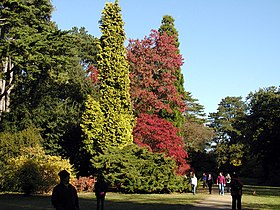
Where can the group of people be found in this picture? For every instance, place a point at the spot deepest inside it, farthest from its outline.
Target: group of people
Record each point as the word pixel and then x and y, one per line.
pixel 233 185
pixel 65 197
pixel 221 181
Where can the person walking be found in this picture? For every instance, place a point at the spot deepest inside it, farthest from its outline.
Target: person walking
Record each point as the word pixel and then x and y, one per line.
pixel 228 180
pixel 194 183
pixel 100 188
pixel 221 182
pixel 210 182
pixel 204 180
pixel 64 195
pixel 236 192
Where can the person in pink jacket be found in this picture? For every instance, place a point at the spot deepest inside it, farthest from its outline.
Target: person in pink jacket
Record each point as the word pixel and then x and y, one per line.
pixel 221 182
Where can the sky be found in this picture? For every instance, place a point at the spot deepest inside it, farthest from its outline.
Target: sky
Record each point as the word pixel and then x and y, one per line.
pixel 230 47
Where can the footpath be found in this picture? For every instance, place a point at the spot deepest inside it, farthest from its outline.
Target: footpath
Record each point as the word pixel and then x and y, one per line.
pixel 214 201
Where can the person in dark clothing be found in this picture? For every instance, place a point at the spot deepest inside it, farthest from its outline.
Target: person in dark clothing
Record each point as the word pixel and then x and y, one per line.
pixel 228 180
pixel 64 195
pixel 236 191
pixel 210 182
pixel 100 188
pixel 204 179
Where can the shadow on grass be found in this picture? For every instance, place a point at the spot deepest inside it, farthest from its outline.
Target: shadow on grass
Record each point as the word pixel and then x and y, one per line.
pixel 42 202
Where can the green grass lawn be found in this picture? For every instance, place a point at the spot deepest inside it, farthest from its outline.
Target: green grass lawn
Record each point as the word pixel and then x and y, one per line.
pixel 114 201
pixel 265 198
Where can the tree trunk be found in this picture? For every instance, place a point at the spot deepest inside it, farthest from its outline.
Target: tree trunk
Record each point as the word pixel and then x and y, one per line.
pixel 6 85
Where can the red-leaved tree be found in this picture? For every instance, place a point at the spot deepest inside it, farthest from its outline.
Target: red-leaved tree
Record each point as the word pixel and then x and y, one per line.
pixel 160 136
pixel 153 62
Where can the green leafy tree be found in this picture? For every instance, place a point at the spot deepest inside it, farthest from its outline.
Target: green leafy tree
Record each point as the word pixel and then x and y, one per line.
pixel 168 26
pixel 227 123
pixel 48 84
pixel 195 131
pixel 21 24
pixel 230 114
pixel 114 104
pixel 86 45
pixel 197 135
pixel 195 111
pixel 263 133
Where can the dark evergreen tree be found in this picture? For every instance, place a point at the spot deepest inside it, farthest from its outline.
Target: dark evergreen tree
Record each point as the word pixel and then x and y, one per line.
pixel 21 23
pixel 86 45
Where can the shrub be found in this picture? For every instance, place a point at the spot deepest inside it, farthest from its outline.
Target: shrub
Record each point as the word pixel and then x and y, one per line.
pixel 11 143
pixel 136 170
pixel 33 171
pixel 84 184
pixel 29 177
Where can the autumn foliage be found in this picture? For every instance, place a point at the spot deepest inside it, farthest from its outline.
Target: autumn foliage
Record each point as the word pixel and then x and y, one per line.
pixel 153 62
pixel 160 136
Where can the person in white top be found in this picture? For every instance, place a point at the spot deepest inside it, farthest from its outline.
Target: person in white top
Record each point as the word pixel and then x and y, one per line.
pixel 194 183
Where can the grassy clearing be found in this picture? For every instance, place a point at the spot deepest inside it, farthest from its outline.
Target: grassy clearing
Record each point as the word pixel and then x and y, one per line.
pixel 265 197
pixel 114 201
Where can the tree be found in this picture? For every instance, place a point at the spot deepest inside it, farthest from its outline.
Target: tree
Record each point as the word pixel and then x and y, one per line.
pixel 160 136
pixel 196 132
pixel 194 111
pixel 227 123
pixel 263 135
pixel 113 76
pixel 168 27
pixel 21 22
pixel 49 84
pixel 197 135
pixel 153 62
pixel 87 46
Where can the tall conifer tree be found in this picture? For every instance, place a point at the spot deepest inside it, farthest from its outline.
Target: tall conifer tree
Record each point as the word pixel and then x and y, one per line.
pixel 114 101
pixel 168 27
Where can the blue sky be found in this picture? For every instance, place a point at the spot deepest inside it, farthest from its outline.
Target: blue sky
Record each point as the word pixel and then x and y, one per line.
pixel 230 47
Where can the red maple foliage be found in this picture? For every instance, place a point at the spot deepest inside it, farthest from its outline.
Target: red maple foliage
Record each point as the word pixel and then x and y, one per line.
pixel 159 135
pixel 92 74
pixel 153 62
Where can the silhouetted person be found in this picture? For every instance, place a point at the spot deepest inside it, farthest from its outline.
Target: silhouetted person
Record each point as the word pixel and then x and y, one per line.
pixel 236 191
pixel 64 195
pixel 210 182
pixel 100 188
